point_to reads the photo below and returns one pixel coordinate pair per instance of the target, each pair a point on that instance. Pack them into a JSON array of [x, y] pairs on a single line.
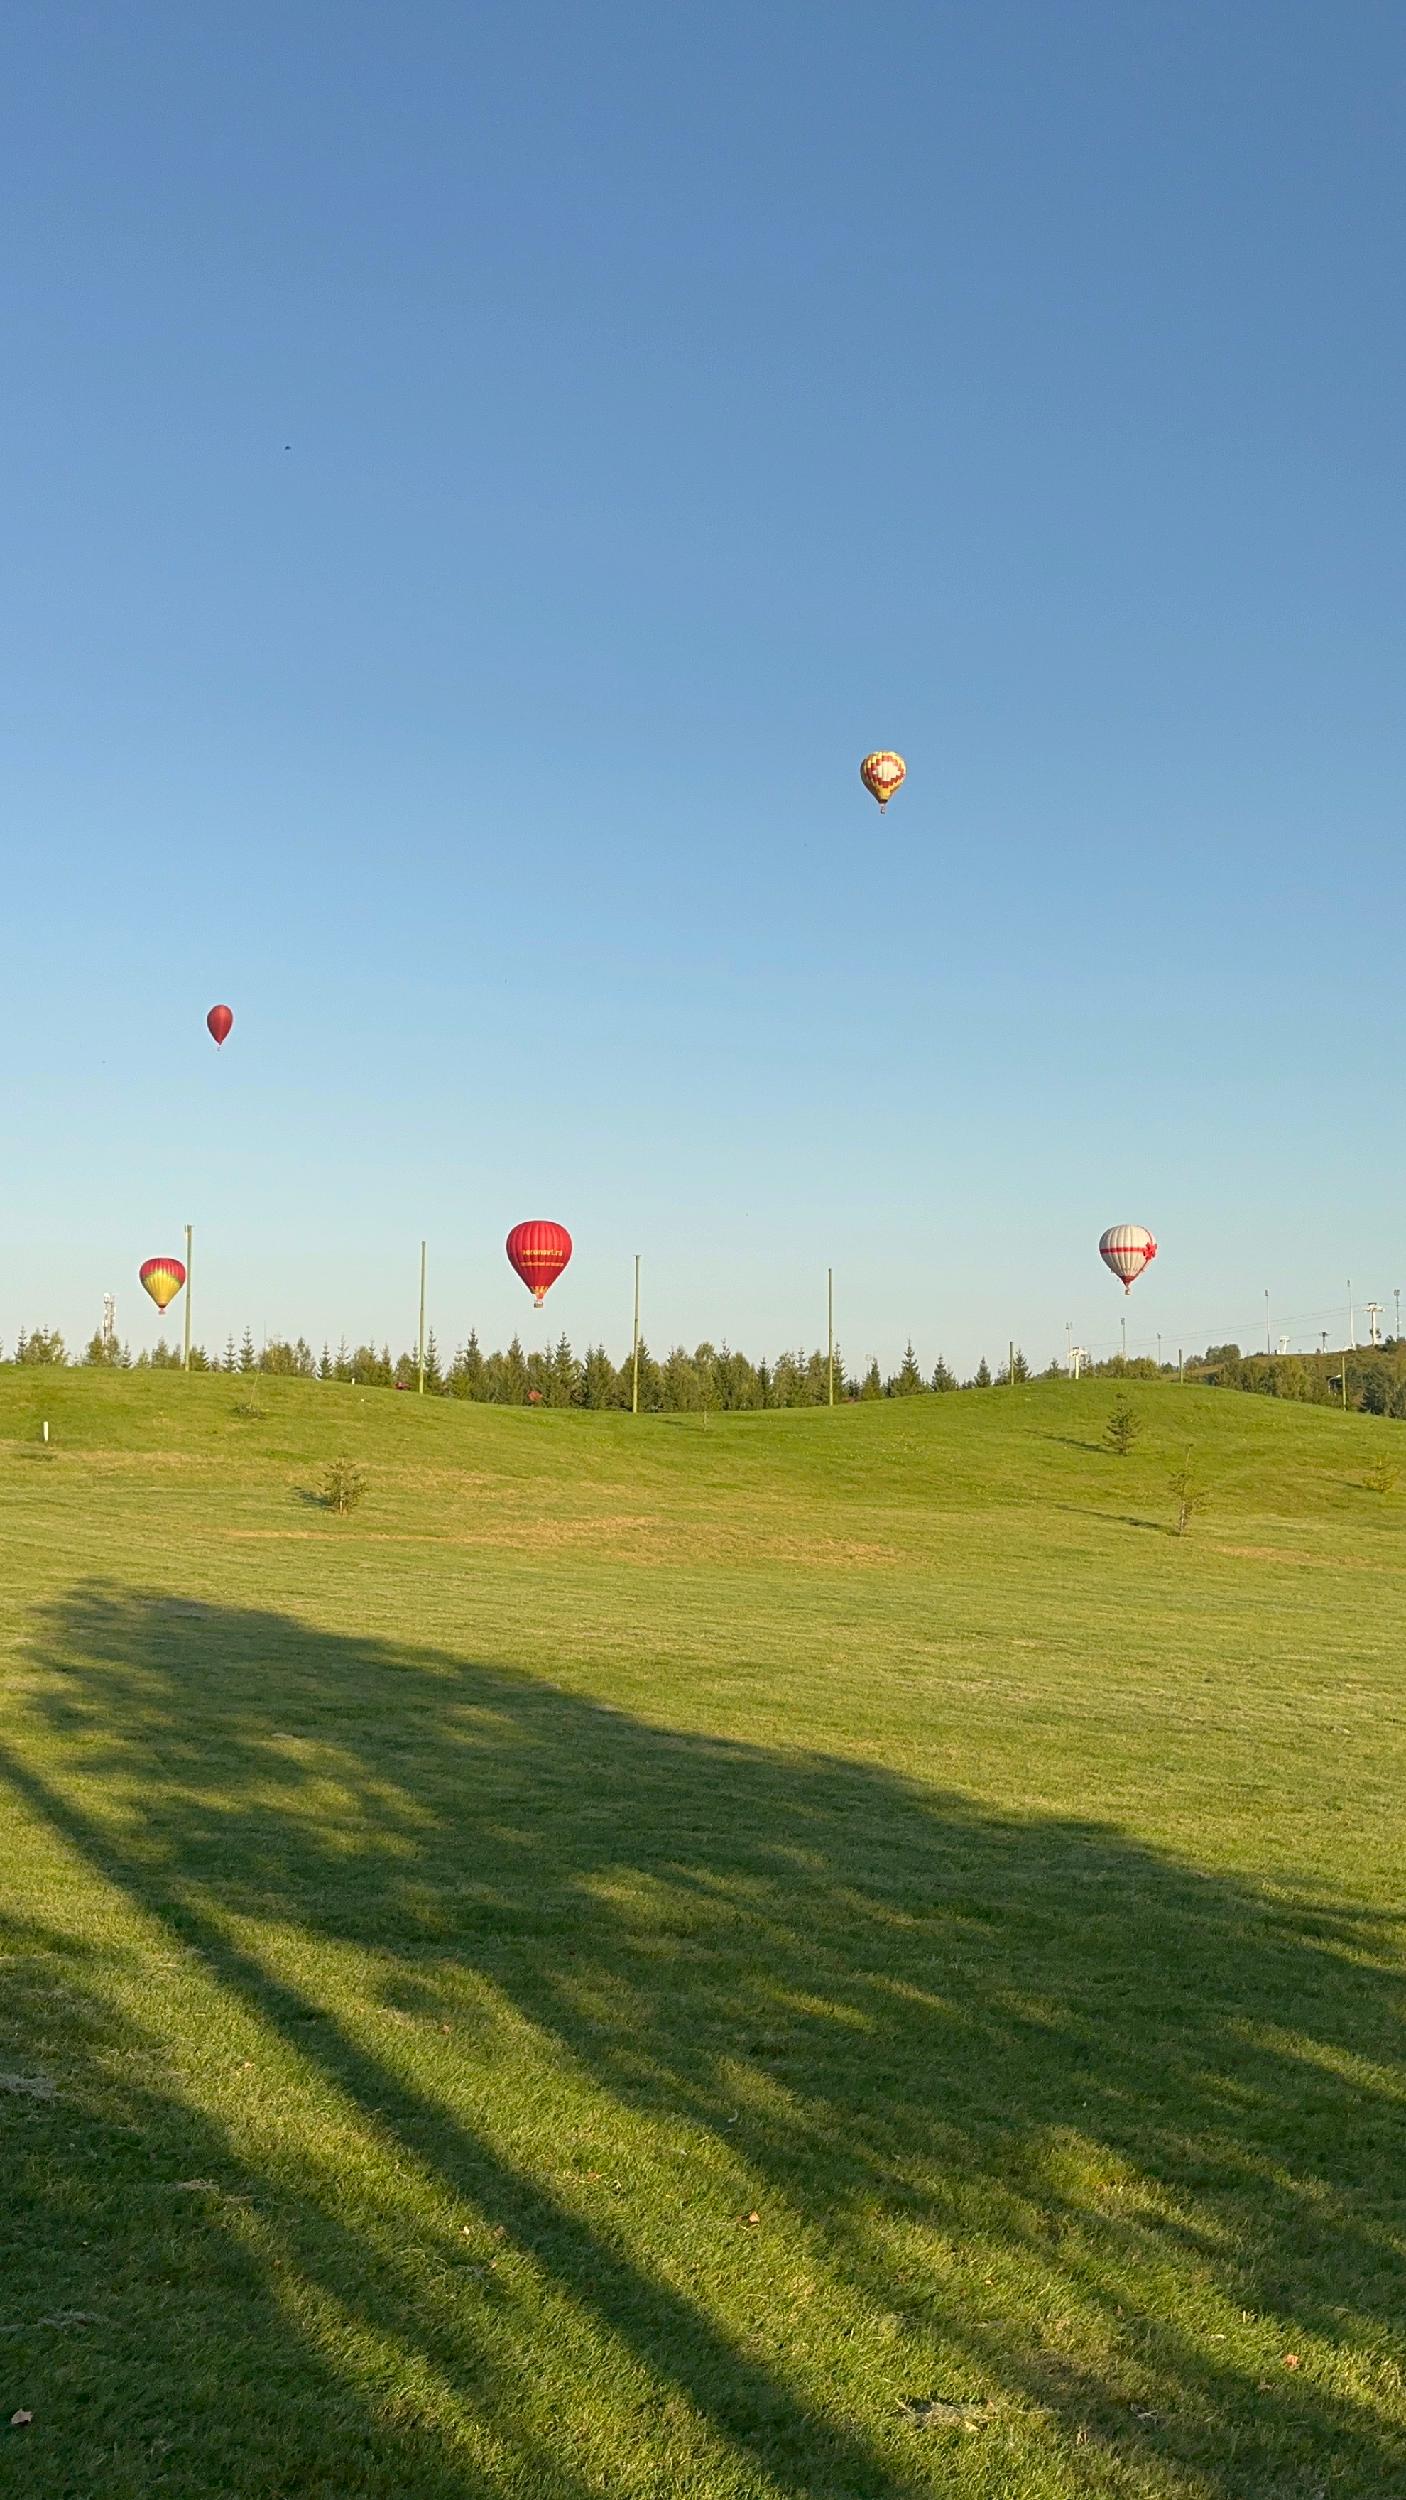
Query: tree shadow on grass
[[1024, 2109]]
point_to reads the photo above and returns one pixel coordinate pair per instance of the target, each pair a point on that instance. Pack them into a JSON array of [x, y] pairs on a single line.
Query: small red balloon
[[539, 1252], [221, 1023]]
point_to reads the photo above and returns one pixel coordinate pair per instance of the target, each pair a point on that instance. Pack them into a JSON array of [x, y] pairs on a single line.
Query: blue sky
[[678, 403]]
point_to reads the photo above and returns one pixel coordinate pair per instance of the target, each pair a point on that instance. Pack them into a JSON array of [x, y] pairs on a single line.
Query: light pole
[[1396, 1297], [1267, 1346], [185, 1358], [635, 1356], [830, 1333], [420, 1356]]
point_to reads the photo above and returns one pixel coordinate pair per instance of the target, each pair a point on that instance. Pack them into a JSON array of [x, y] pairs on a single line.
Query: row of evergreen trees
[[715, 1378], [712, 1377]]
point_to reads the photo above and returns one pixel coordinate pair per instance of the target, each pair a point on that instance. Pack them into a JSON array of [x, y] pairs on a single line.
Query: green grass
[[645, 1948]]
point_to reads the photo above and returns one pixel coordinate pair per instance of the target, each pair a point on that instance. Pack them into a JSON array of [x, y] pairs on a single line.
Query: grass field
[[821, 1955]]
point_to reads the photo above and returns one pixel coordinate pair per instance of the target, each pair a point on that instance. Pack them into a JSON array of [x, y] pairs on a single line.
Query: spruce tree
[[564, 1383], [248, 1359], [598, 1380], [942, 1378], [909, 1381], [872, 1386], [679, 1382], [981, 1377], [467, 1379]]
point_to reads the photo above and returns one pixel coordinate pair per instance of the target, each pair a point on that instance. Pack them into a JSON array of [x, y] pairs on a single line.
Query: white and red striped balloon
[[1127, 1249]]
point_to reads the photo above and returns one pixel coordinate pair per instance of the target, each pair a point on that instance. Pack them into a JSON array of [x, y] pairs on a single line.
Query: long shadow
[[1060, 2109]]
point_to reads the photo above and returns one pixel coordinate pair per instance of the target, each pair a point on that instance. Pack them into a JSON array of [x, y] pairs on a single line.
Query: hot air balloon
[[882, 774], [163, 1279], [220, 1021], [539, 1252], [1127, 1249]]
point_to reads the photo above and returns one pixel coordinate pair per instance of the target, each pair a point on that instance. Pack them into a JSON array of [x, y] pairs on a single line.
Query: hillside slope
[[648, 1947]]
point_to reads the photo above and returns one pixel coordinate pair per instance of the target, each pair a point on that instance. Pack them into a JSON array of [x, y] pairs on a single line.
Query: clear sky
[[477, 479]]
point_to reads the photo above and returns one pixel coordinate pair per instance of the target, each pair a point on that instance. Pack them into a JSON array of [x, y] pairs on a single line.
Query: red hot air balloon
[[1127, 1249], [539, 1252], [163, 1279], [221, 1023]]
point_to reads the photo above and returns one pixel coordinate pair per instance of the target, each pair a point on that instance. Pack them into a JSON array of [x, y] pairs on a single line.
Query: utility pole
[[1125, 1336], [635, 1358], [420, 1358], [830, 1330], [1396, 1297], [185, 1357], [1351, 1319], [1069, 1347], [1267, 1347], [1159, 1349], [1010, 1365], [1181, 1367]]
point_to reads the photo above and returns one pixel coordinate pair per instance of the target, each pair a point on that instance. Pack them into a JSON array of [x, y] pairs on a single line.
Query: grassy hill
[[651, 1957]]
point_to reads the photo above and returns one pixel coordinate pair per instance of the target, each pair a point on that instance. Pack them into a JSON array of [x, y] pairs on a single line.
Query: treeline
[[715, 1378], [719, 1379], [1375, 1376]]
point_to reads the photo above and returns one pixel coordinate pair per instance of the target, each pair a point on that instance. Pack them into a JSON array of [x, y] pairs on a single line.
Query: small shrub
[[248, 1410], [1383, 1476], [1122, 1427], [1188, 1492], [343, 1486]]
